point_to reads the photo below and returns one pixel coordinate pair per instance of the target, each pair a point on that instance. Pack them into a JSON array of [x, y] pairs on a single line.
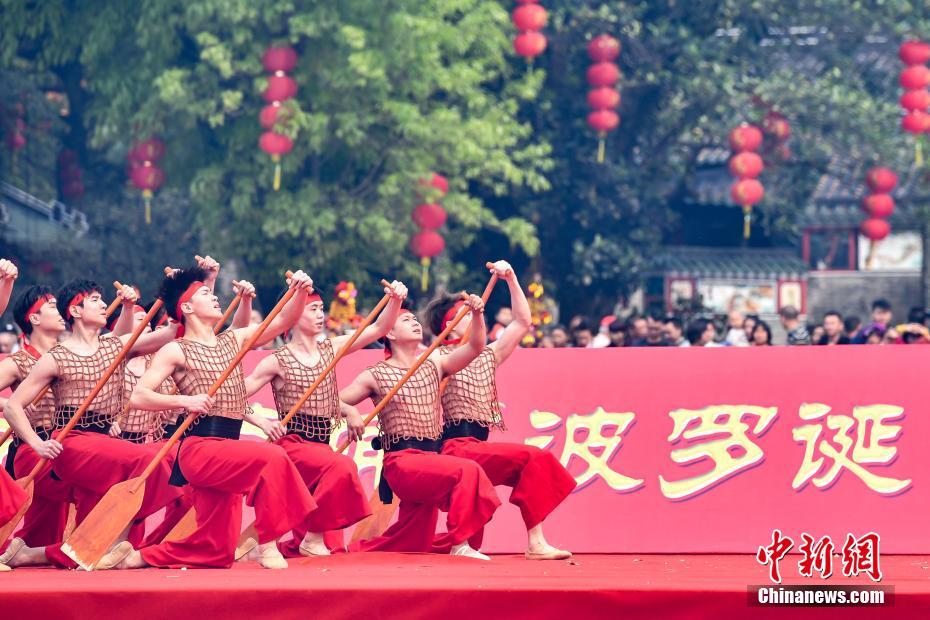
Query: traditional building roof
[[730, 263]]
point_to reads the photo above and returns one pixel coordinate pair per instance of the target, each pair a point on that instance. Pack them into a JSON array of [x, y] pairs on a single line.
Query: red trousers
[[426, 482], [45, 521], [332, 479], [220, 471], [539, 481], [91, 463], [12, 497]]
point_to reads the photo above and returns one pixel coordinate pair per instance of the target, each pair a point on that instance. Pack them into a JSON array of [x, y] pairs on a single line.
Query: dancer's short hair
[[437, 309], [25, 301], [173, 287], [71, 290]]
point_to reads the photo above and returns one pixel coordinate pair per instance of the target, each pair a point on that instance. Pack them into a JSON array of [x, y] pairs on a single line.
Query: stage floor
[[393, 585]]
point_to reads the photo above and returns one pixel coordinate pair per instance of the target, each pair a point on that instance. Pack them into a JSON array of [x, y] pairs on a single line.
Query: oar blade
[[97, 533], [6, 530], [378, 521], [247, 541], [183, 528]]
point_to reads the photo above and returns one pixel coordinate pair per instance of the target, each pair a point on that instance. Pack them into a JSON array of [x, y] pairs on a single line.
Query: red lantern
[[276, 145], [15, 140], [875, 229], [745, 138], [918, 100], [73, 190], [881, 180], [279, 59], [529, 44], [746, 165], [915, 78], [529, 17], [603, 74], [270, 115], [916, 122], [280, 88], [437, 182], [67, 158], [603, 121], [152, 149], [426, 244], [527, 1], [603, 98], [604, 48], [746, 193], [878, 205], [429, 216], [914, 53], [148, 178], [776, 125]]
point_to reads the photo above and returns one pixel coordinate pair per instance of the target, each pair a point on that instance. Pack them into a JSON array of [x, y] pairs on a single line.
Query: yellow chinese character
[[713, 421], [603, 432], [870, 431]]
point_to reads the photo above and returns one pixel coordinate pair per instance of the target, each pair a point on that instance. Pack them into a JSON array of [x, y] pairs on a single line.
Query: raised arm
[[361, 388], [384, 323], [513, 334], [8, 275], [211, 266], [477, 338], [42, 374], [124, 323], [243, 315], [289, 315]]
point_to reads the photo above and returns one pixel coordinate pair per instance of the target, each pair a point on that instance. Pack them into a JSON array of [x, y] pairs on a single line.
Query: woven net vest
[[319, 416], [77, 375], [471, 393], [140, 424], [414, 412], [203, 366], [42, 414]]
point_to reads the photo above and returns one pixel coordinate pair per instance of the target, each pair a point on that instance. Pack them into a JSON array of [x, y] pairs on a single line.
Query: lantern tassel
[[918, 154], [277, 172], [747, 221], [600, 146], [147, 198], [870, 256], [424, 274]]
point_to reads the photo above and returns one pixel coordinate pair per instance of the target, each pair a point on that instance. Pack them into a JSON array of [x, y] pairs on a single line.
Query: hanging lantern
[[436, 185], [881, 180], [915, 122], [914, 53], [148, 178], [915, 78], [915, 100], [529, 17], [273, 114], [604, 98], [875, 229], [746, 193], [746, 165], [429, 216], [777, 126], [152, 149], [276, 145], [529, 44], [604, 48], [603, 121], [745, 138], [283, 59], [603, 74], [878, 205], [427, 244], [280, 88]]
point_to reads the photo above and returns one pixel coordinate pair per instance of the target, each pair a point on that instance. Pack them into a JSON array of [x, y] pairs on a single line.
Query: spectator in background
[[655, 335], [674, 333], [816, 332], [881, 314], [915, 330], [545, 343], [602, 339], [874, 333], [702, 333], [790, 320], [736, 336], [583, 335], [761, 335], [639, 332], [9, 341], [833, 329], [559, 337], [749, 324], [617, 334], [502, 319], [851, 326]]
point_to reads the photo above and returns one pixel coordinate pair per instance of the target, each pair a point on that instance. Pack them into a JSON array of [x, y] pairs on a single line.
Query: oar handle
[[189, 419], [136, 333], [229, 310], [343, 351], [6, 435], [420, 360]]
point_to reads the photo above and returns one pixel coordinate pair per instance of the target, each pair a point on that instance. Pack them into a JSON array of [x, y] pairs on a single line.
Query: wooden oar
[[35, 401], [27, 482], [381, 513], [250, 534], [100, 530]]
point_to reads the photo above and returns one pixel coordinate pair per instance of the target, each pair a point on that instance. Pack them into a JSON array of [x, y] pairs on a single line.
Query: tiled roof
[[730, 263]]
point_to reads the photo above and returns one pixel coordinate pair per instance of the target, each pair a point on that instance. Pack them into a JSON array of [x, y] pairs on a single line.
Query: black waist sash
[[385, 494], [170, 429], [207, 426], [134, 437], [465, 428]]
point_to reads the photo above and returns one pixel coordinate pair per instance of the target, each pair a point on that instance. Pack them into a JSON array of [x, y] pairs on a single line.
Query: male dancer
[[470, 408], [12, 495], [219, 468], [411, 430], [36, 313], [332, 478], [88, 460]]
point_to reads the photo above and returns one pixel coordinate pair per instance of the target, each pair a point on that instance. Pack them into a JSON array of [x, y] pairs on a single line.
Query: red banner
[[710, 450]]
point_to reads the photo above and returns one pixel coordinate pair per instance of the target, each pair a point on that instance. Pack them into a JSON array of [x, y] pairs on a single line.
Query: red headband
[[450, 314], [34, 308], [312, 297], [77, 299], [138, 308], [186, 297]]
